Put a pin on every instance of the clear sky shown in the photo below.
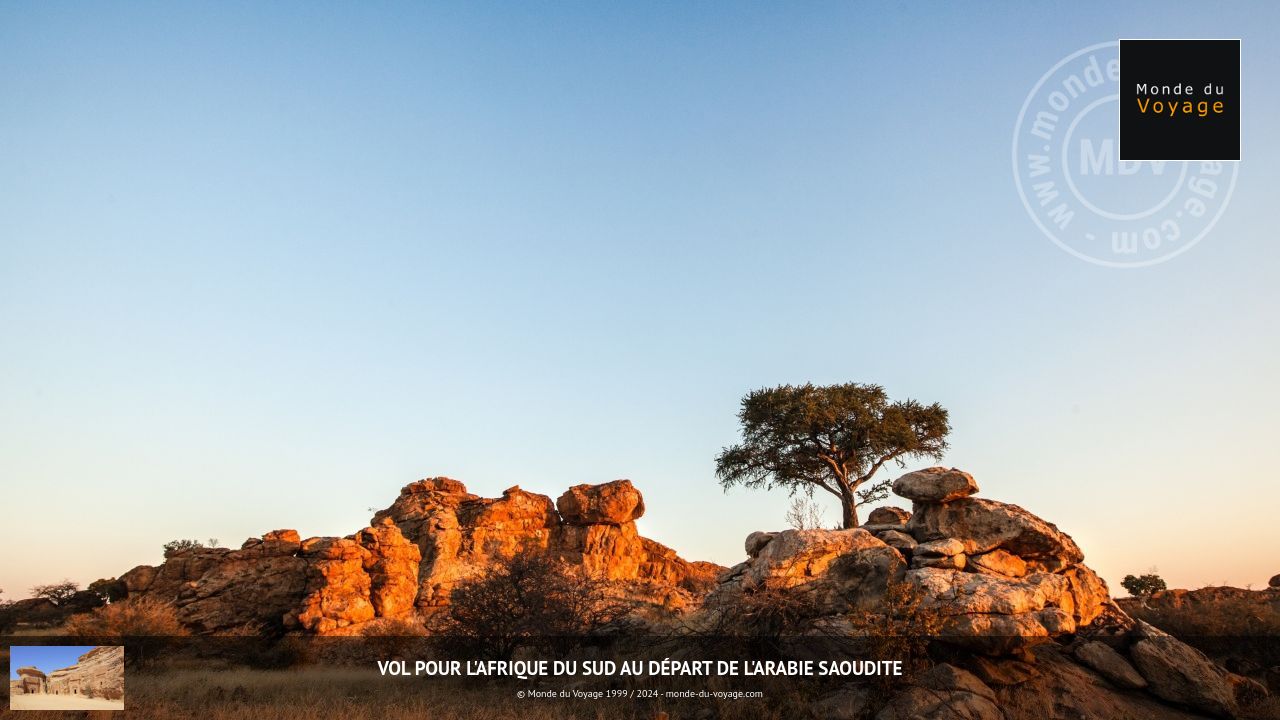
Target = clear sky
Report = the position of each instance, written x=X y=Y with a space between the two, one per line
x=261 y=264
x=46 y=658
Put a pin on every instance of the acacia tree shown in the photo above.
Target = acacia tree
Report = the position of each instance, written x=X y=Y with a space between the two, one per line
x=58 y=593
x=831 y=437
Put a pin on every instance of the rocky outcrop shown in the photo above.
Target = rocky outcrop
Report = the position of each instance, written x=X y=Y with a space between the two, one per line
x=1274 y=581
x=461 y=535
x=434 y=536
x=255 y=586
x=1011 y=598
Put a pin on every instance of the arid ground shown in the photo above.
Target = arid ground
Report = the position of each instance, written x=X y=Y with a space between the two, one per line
x=62 y=702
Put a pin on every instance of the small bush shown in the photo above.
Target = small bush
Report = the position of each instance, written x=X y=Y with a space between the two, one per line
x=528 y=602
x=139 y=617
x=177 y=546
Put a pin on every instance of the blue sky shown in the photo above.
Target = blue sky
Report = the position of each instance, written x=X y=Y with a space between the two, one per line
x=44 y=657
x=261 y=265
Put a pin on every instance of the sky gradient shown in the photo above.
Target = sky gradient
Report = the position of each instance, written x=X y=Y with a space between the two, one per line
x=263 y=264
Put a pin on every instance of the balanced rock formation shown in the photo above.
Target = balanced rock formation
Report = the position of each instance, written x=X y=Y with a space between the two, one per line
x=1009 y=591
x=404 y=565
x=31 y=681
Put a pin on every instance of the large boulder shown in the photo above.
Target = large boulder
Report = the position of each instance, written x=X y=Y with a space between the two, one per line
x=888 y=516
x=838 y=569
x=1274 y=581
x=613 y=503
x=1181 y=674
x=1108 y=663
x=986 y=525
x=999 y=562
x=996 y=614
x=935 y=485
x=139 y=579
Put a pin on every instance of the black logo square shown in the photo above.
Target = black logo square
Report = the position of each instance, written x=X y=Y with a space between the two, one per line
x=1179 y=99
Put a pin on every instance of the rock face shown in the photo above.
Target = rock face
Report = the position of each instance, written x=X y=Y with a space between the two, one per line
x=31 y=681
x=97 y=673
x=986 y=525
x=944 y=692
x=592 y=526
x=414 y=552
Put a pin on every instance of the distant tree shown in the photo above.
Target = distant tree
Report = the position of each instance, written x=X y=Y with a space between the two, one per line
x=804 y=513
x=58 y=593
x=833 y=437
x=1142 y=586
x=176 y=546
x=213 y=543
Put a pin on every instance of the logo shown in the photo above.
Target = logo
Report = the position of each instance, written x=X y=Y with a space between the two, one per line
x=1082 y=196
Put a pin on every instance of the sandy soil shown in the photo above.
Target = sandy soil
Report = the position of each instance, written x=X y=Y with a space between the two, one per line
x=62 y=702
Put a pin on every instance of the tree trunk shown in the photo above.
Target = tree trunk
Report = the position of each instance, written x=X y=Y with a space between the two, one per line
x=849 y=508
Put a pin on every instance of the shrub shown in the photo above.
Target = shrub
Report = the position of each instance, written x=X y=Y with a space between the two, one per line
x=137 y=617
x=176 y=546
x=530 y=601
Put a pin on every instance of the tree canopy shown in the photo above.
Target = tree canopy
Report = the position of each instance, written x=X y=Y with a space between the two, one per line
x=1142 y=586
x=831 y=437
